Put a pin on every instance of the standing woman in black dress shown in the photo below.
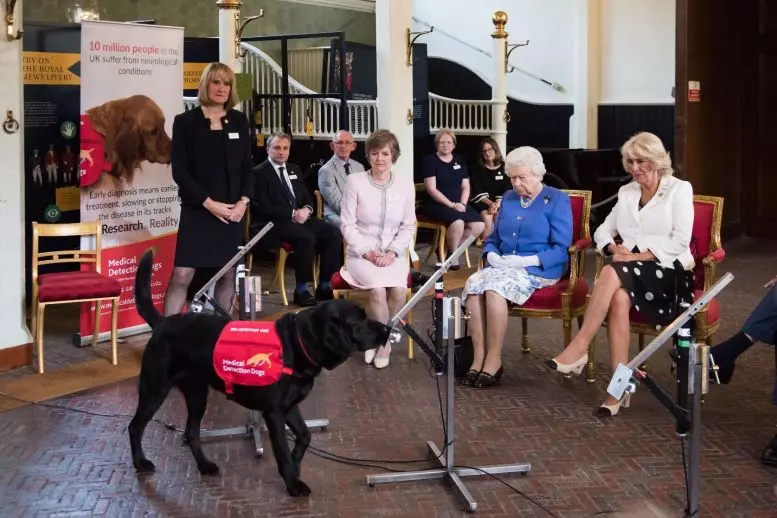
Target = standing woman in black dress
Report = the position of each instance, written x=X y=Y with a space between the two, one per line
x=489 y=183
x=213 y=167
x=447 y=183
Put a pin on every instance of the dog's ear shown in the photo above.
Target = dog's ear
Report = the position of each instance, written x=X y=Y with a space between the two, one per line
x=127 y=145
x=102 y=118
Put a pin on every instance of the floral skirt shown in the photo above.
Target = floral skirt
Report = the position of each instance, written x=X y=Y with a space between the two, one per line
x=652 y=289
x=514 y=284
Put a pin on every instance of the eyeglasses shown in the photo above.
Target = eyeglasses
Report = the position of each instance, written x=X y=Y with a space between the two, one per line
x=486 y=149
x=343 y=142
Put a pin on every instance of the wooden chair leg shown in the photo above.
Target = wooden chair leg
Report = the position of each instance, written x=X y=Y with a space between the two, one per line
x=590 y=367
x=39 y=336
x=567 y=323
x=441 y=248
x=96 y=330
x=433 y=245
x=316 y=271
x=114 y=330
x=34 y=319
x=280 y=278
x=525 y=347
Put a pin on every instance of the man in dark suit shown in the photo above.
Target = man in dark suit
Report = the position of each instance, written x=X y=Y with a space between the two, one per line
x=280 y=196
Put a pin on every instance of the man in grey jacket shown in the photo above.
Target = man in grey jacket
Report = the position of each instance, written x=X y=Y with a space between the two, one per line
x=332 y=175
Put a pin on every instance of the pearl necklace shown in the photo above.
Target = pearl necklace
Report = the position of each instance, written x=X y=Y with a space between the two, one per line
x=526 y=204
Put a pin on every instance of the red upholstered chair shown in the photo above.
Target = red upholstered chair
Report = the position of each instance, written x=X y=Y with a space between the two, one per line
x=343 y=290
x=568 y=298
x=707 y=252
x=439 y=229
x=86 y=285
x=284 y=251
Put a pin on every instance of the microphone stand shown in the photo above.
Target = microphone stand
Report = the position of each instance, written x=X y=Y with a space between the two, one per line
x=248 y=294
x=441 y=354
x=693 y=365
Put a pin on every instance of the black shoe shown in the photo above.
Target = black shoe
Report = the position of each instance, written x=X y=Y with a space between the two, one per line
x=485 y=379
x=323 y=294
x=418 y=279
x=470 y=378
x=304 y=299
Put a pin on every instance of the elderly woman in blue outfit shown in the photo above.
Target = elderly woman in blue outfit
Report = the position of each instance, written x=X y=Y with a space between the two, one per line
x=526 y=251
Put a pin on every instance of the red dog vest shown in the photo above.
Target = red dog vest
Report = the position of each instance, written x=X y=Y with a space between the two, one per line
x=249 y=354
x=93 y=161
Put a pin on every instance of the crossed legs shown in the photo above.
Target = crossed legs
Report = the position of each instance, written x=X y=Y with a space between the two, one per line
x=608 y=301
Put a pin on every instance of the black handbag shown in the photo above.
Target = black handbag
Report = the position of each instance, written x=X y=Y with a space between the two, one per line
x=463 y=353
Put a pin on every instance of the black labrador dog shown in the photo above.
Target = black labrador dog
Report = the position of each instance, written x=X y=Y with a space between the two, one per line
x=180 y=354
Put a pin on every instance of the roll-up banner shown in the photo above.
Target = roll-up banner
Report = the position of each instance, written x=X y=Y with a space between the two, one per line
x=131 y=84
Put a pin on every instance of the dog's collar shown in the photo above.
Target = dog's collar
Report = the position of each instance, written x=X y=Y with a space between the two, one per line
x=303 y=348
x=301 y=344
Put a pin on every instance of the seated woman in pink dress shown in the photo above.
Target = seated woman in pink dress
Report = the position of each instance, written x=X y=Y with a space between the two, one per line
x=377 y=217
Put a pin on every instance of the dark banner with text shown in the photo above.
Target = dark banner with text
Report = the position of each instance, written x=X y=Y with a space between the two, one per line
x=51 y=76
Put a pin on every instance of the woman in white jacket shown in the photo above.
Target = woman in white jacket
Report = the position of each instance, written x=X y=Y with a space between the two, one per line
x=653 y=218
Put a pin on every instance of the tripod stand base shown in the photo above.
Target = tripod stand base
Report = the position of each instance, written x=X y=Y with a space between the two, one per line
x=453 y=473
x=255 y=427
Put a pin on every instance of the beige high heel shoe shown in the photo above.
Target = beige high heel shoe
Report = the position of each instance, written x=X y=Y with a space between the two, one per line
x=572 y=368
x=381 y=362
x=612 y=410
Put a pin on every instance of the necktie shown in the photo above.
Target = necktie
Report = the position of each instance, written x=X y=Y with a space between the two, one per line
x=285 y=188
x=347 y=168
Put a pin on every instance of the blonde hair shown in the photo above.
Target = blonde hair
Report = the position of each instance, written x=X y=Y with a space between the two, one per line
x=440 y=134
x=649 y=147
x=210 y=72
x=528 y=157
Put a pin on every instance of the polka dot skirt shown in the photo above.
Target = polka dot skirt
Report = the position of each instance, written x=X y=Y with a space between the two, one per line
x=651 y=288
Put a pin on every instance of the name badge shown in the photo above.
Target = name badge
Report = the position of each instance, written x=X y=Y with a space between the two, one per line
x=292 y=177
x=498 y=177
x=456 y=166
x=234 y=136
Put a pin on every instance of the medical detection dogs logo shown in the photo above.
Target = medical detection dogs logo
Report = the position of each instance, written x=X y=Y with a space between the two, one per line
x=249 y=354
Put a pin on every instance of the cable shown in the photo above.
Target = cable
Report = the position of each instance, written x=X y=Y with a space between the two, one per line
x=685 y=473
x=87 y=412
x=327 y=455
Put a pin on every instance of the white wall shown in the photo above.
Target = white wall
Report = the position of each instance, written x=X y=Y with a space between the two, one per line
x=549 y=25
x=638 y=51
x=13 y=330
x=637 y=45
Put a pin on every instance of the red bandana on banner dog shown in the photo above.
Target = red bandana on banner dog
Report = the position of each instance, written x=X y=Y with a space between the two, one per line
x=93 y=161
x=249 y=354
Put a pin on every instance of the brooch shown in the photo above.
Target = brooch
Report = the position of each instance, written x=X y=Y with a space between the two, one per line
x=546 y=200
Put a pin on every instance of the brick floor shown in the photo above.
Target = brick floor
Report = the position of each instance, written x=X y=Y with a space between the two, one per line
x=59 y=463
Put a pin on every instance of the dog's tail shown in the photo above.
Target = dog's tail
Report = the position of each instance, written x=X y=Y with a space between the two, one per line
x=143 y=301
